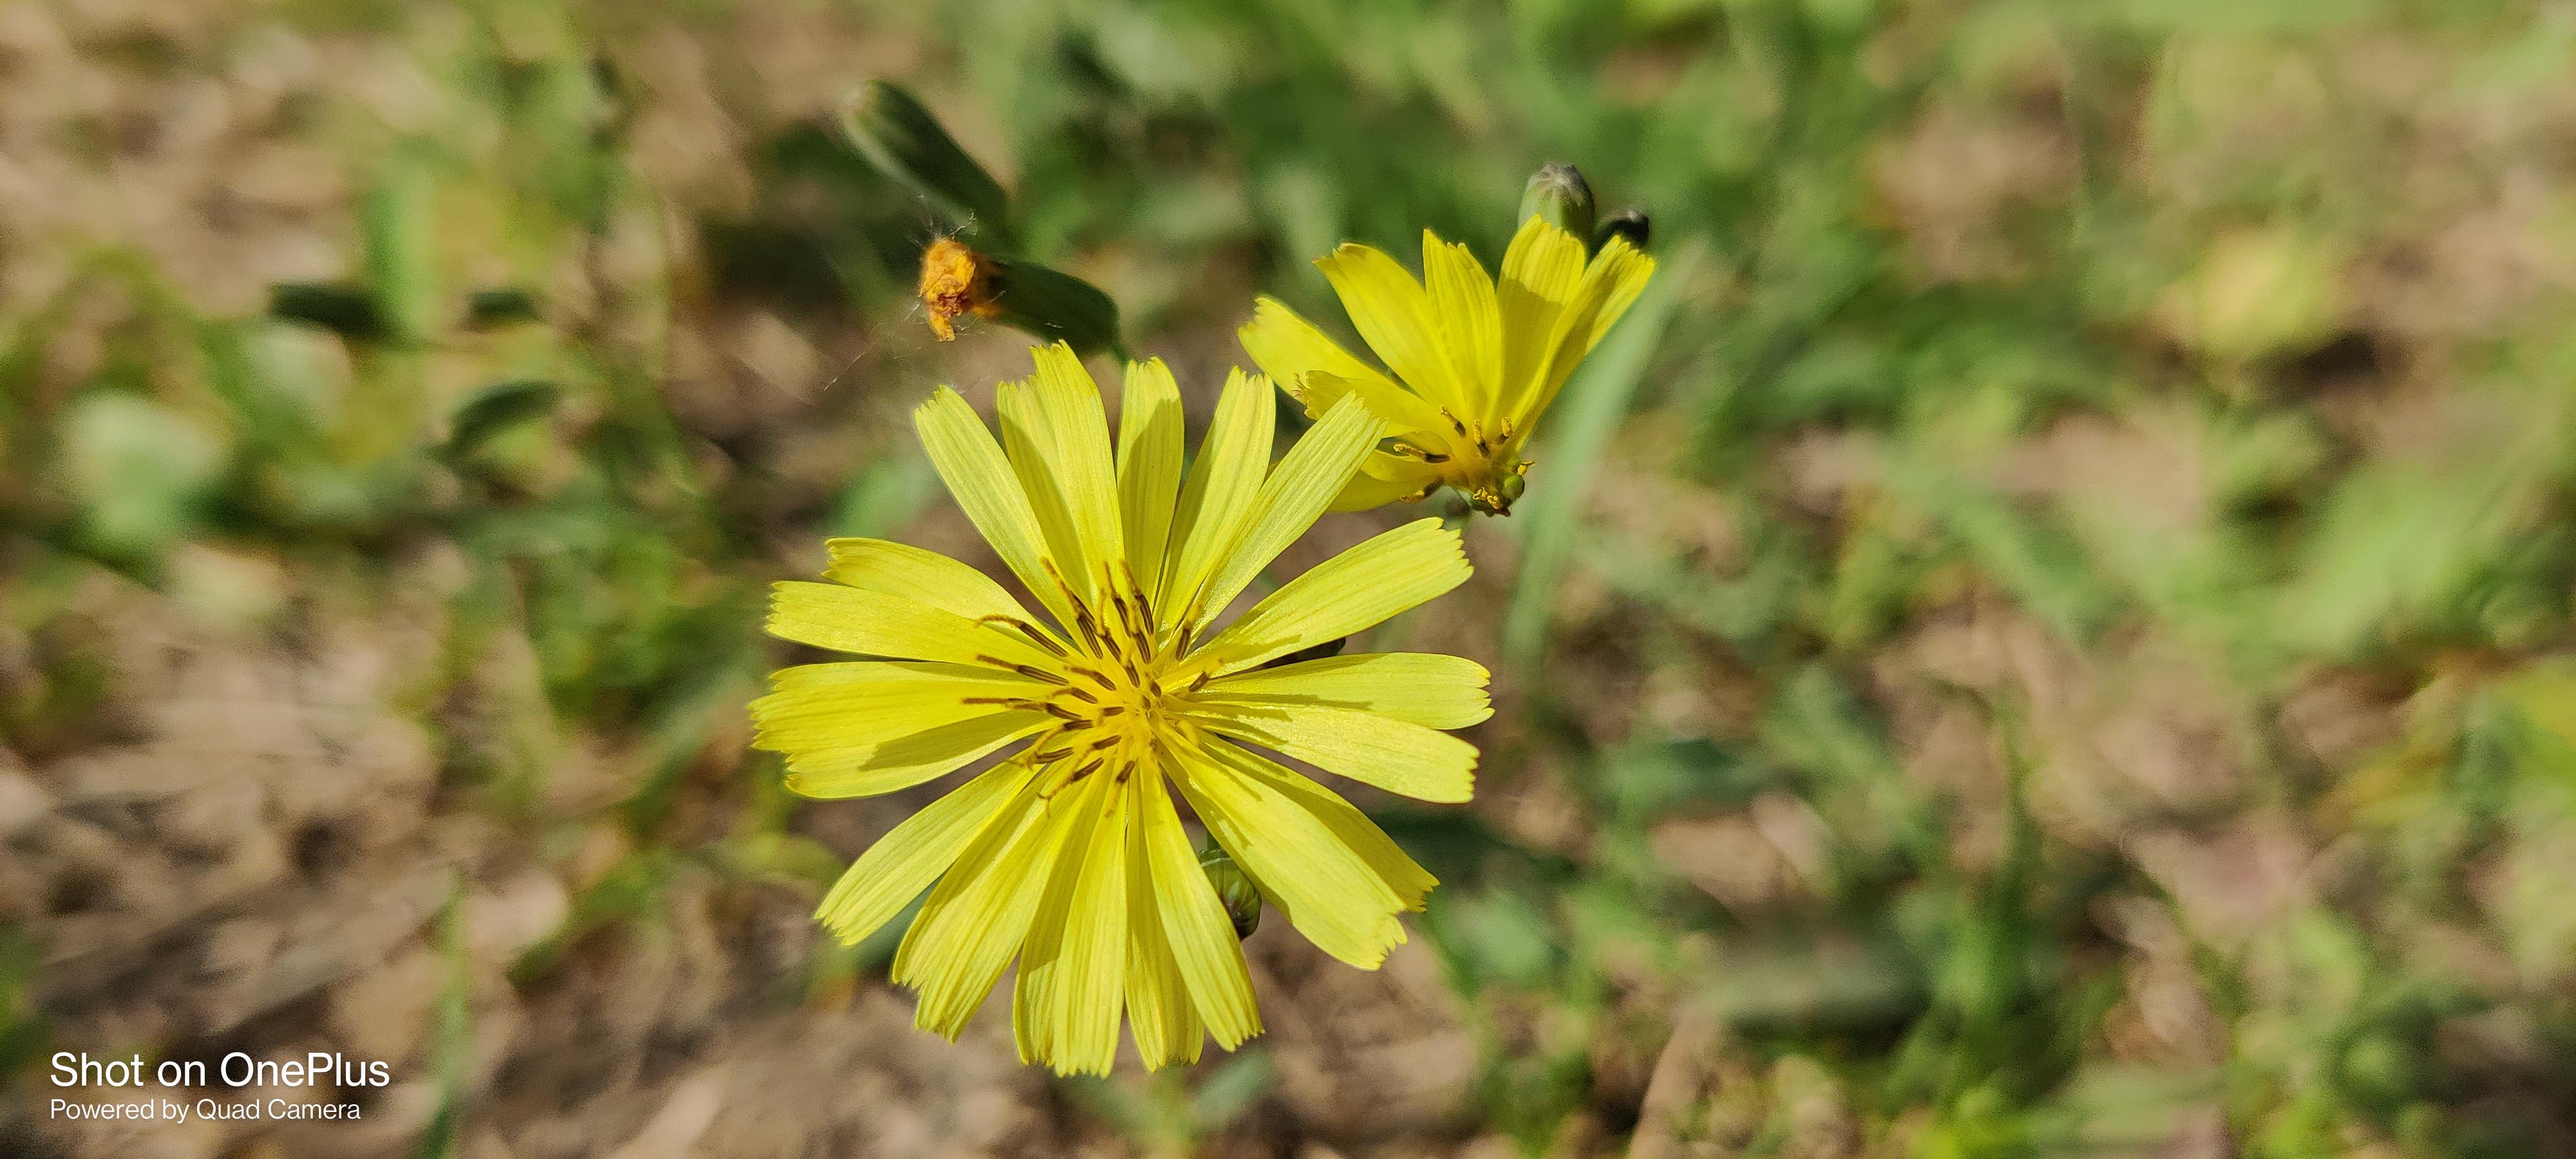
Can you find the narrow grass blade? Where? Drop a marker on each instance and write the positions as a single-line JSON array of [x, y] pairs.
[[1588, 413]]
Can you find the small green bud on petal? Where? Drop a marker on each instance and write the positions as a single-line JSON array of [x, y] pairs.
[[1242, 901], [1560, 195]]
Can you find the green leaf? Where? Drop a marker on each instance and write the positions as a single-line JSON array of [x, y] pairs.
[[906, 143], [343, 309], [499, 306], [1056, 307], [497, 408]]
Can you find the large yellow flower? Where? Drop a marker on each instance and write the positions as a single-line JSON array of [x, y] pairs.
[[1478, 362], [1070, 854]]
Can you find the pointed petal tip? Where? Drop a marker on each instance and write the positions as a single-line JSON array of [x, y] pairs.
[[939, 395], [1227, 1043], [1350, 251]]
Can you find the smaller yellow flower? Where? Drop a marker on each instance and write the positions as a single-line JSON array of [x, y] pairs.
[[1474, 363], [955, 281]]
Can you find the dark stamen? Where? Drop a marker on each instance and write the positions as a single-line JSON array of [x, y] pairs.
[[1025, 628], [1082, 619], [1032, 673], [1144, 607]]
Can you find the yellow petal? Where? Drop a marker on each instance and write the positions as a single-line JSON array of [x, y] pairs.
[[1405, 412], [924, 577], [1083, 980], [1302, 867], [1308, 477], [1318, 372], [1388, 574], [1428, 689], [853, 730], [1204, 948], [833, 705], [979, 912], [1057, 437], [1149, 466], [1470, 322], [901, 762], [1541, 272], [981, 479], [1384, 479], [1217, 501], [1398, 756], [1072, 977], [1407, 881], [872, 623], [1166, 1027], [913, 854], [1394, 314], [1617, 275]]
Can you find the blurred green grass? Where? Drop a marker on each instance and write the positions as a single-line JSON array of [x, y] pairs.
[[2015, 361]]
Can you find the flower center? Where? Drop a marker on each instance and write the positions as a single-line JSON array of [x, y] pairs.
[[1120, 690], [1482, 464]]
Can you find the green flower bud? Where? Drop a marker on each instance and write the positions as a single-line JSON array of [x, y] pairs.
[[1559, 194], [1242, 901], [1629, 223]]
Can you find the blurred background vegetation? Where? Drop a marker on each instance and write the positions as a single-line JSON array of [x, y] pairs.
[[2045, 633]]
